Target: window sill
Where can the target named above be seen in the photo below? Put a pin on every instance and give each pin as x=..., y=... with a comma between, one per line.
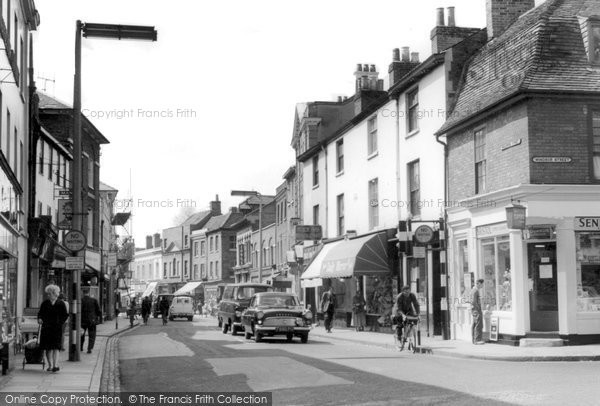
x=340, y=173
x=315, y=186
x=373, y=155
x=412, y=133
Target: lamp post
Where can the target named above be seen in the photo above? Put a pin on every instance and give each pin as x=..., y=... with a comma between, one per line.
x=260, y=247
x=88, y=30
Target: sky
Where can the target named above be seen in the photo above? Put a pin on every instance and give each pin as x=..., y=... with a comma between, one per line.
x=209, y=107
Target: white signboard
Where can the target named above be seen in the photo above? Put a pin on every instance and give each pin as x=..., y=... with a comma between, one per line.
x=587, y=224
x=112, y=259
x=419, y=252
x=74, y=263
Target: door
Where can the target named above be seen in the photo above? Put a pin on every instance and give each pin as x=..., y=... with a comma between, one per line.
x=543, y=292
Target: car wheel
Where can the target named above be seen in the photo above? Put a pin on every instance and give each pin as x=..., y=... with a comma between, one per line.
x=289, y=337
x=304, y=338
x=257, y=337
x=220, y=322
x=234, y=330
x=171, y=318
x=225, y=327
x=190, y=318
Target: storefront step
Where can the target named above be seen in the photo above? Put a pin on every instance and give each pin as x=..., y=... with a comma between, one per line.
x=541, y=342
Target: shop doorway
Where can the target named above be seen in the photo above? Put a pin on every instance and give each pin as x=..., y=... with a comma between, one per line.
x=543, y=292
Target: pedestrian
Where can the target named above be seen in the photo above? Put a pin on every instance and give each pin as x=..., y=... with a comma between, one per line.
x=358, y=308
x=131, y=311
x=90, y=315
x=476, y=312
x=146, y=308
x=328, y=303
x=163, y=307
x=52, y=316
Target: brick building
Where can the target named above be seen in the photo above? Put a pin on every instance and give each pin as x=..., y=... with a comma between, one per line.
x=525, y=130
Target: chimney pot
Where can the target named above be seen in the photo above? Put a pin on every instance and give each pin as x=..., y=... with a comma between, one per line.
x=339, y=99
x=365, y=67
x=440, y=17
x=364, y=82
x=358, y=67
x=405, y=54
x=373, y=69
x=414, y=57
x=451, y=21
x=396, y=55
x=148, y=242
x=157, y=243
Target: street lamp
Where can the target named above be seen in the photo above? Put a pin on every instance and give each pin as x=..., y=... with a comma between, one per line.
x=260, y=247
x=89, y=30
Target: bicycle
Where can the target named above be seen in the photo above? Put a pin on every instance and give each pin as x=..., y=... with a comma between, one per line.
x=409, y=333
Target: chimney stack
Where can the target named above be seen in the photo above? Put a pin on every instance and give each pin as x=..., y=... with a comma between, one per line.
x=215, y=206
x=366, y=77
x=401, y=64
x=157, y=243
x=502, y=13
x=233, y=209
x=451, y=21
x=440, y=17
x=148, y=242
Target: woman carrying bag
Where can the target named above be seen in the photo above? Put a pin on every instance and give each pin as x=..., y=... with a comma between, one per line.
x=52, y=316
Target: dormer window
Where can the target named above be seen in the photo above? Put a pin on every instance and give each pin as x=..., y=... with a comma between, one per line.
x=594, y=32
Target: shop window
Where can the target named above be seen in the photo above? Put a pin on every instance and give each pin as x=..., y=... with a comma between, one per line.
x=495, y=255
x=464, y=280
x=588, y=271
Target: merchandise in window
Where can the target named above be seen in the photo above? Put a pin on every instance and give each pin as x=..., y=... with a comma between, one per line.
x=588, y=271
x=496, y=274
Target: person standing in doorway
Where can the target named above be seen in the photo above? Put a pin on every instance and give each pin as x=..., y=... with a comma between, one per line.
x=90, y=315
x=477, y=313
x=328, y=303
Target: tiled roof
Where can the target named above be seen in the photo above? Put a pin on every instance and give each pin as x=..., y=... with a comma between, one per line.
x=104, y=186
x=47, y=102
x=223, y=221
x=542, y=51
x=196, y=218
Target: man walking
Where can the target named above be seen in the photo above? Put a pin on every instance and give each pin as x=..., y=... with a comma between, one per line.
x=90, y=315
x=328, y=303
x=476, y=311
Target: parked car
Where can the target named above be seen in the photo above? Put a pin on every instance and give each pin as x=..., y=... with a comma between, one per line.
x=235, y=299
x=156, y=303
x=182, y=306
x=276, y=313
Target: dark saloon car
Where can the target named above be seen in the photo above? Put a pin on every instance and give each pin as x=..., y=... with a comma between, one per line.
x=276, y=313
x=236, y=297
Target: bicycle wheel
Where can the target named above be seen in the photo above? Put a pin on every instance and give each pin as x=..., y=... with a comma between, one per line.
x=413, y=338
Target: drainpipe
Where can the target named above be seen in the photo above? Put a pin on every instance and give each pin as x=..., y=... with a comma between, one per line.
x=446, y=329
x=398, y=185
x=324, y=149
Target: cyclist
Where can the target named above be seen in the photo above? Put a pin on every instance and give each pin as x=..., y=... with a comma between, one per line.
x=408, y=306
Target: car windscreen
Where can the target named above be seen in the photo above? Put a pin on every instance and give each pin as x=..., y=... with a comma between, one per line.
x=246, y=292
x=277, y=301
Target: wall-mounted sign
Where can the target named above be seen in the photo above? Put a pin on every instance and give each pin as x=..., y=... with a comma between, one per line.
x=308, y=233
x=552, y=159
x=491, y=229
x=587, y=224
x=65, y=214
x=540, y=232
x=423, y=234
x=512, y=144
x=74, y=263
x=112, y=259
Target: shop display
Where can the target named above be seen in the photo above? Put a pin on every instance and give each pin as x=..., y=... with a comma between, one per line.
x=588, y=272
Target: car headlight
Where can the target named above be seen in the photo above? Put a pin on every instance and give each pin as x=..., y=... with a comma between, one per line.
x=299, y=321
x=308, y=315
x=260, y=315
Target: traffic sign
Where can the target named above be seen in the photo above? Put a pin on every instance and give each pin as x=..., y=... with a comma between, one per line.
x=74, y=263
x=419, y=252
x=423, y=234
x=75, y=240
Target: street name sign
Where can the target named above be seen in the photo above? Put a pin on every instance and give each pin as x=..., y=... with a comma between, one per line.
x=74, y=263
x=75, y=240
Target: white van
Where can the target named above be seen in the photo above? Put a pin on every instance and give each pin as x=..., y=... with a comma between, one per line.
x=182, y=306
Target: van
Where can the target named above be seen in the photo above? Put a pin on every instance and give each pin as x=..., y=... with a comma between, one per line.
x=235, y=300
x=182, y=306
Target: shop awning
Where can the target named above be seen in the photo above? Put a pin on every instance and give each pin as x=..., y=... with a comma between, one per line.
x=149, y=289
x=187, y=289
x=364, y=256
x=311, y=278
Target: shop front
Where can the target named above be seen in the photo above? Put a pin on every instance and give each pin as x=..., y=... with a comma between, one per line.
x=362, y=265
x=539, y=282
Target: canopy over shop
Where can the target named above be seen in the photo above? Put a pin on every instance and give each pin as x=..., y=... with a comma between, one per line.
x=365, y=258
x=193, y=289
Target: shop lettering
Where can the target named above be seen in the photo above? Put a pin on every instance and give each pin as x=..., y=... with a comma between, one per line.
x=587, y=223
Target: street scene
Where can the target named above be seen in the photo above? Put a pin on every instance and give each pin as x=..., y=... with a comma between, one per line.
x=279, y=203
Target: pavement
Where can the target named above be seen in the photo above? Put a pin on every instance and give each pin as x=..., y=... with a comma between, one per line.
x=74, y=376
x=464, y=349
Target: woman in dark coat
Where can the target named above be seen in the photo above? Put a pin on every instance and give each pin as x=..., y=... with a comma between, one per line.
x=163, y=307
x=358, y=308
x=52, y=315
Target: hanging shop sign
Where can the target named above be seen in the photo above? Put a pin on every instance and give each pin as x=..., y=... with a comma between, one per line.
x=65, y=214
x=515, y=216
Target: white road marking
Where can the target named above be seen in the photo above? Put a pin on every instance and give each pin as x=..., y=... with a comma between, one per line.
x=150, y=346
x=271, y=373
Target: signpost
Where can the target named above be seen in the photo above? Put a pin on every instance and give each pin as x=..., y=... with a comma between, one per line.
x=74, y=263
x=308, y=233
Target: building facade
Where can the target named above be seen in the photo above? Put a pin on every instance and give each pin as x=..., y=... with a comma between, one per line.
x=526, y=132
